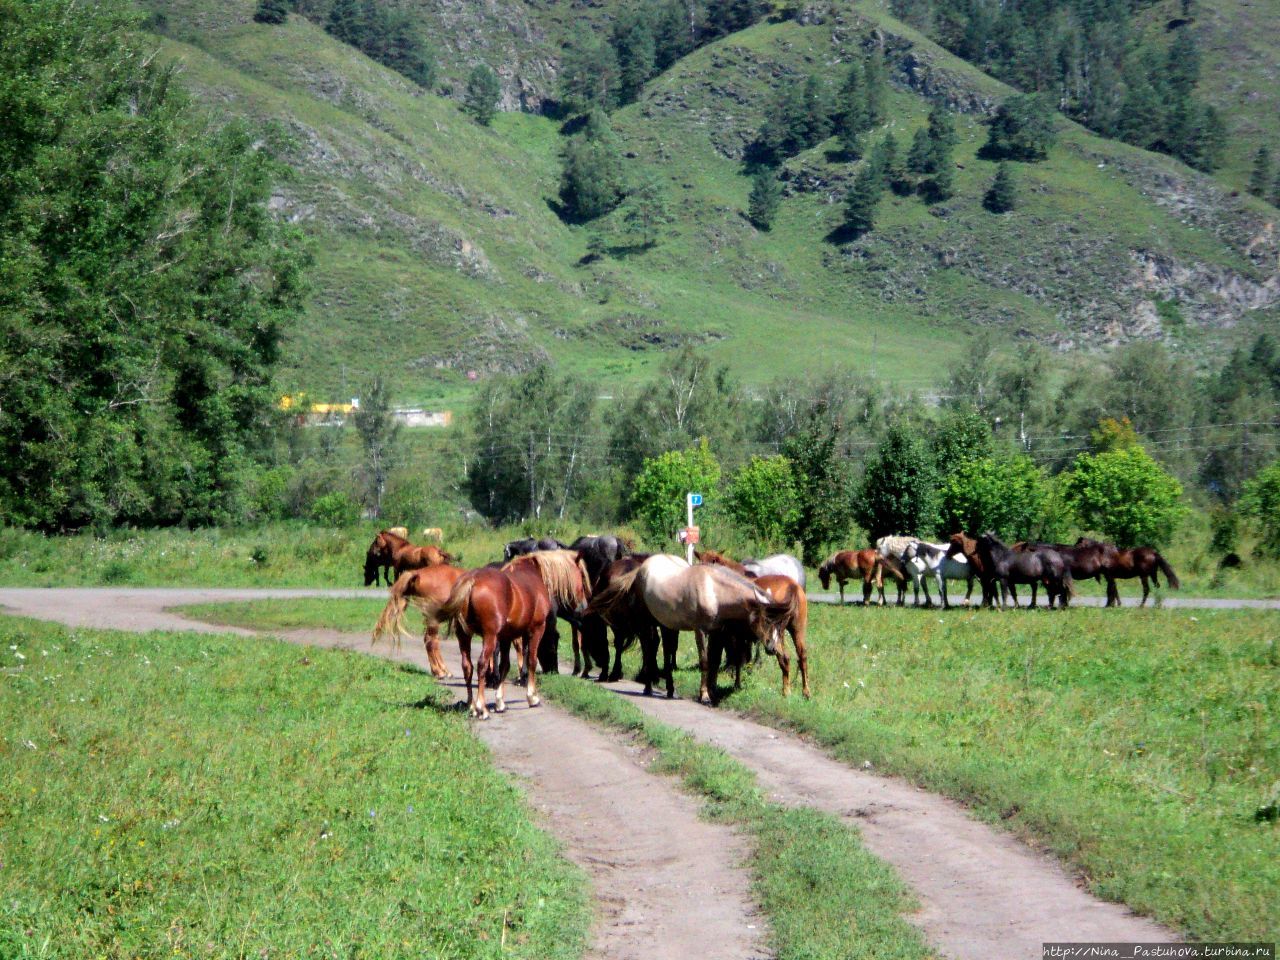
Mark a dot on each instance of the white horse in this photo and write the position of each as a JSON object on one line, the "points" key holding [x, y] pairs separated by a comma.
{"points": [[932, 559], [778, 564]]}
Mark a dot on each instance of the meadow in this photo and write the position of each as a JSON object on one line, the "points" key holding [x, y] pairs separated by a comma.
{"points": [[1141, 747], [196, 796], [299, 554]]}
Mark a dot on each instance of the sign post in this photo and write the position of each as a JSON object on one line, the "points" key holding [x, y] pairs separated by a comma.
{"points": [[690, 537]]}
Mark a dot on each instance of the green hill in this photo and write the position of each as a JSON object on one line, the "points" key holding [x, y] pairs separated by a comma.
{"points": [[439, 251]]}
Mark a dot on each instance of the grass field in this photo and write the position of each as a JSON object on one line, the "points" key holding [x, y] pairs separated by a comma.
{"points": [[305, 555], [196, 796], [1142, 747]]}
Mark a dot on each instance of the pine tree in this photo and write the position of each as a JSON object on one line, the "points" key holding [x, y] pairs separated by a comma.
{"points": [[1022, 129], [765, 198], [272, 11], [816, 119], [862, 199], [851, 104], [1260, 177], [345, 22], [1182, 66], [942, 127], [647, 211], [636, 53], [592, 174], [875, 82], [1003, 196], [588, 71], [483, 91], [942, 185], [920, 156]]}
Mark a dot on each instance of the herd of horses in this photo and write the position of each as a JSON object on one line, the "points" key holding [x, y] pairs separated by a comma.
{"points": [[998, 567], [600, 583]]}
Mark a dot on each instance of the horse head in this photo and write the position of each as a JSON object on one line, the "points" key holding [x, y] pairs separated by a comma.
{"points": [[824, 573]]}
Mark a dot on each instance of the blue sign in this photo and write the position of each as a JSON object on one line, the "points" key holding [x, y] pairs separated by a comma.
{"points": [[695, 499]]}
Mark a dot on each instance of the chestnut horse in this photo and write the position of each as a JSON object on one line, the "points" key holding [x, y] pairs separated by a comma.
{"points": [[506, 605], [392, 550], [783, 590], [865, 565], [427, 590]]}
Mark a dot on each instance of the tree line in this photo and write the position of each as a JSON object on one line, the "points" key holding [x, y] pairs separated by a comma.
{"points": [[1090, 59]]}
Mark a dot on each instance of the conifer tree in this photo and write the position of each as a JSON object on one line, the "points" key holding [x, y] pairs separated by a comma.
{"points": [[920, 156], [636, 53], [942, 185], [875, 83], [483, 91], [1260, 177], [862, 199], [765, 198], [272, 11], [1002, 196]]}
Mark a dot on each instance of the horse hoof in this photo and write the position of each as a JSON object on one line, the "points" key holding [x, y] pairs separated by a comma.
{"points": [[535, 701], [500, 708]]}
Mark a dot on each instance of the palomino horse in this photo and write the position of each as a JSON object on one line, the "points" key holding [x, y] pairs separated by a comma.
{"points": [[506, 605], [738, 638], [701, 598], [392, 550], [1146, 563], [936, 560], [865, 565], [1009, 567], [426, 589]]}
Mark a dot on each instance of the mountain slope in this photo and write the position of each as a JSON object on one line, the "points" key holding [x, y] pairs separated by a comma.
{"points": [[439, 252]]}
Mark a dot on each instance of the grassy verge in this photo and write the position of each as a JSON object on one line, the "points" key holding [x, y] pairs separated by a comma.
{"points": [[179, 795], [355, 616], [824, 894], [1141, 746]]}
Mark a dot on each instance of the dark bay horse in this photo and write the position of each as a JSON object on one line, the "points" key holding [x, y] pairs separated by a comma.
{"points": [[518, 548], [389, 549], [1145, 563], [1008, 567], [426, 589]]}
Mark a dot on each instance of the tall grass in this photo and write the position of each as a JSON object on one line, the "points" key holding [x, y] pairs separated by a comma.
{"points": [[193, 796]]}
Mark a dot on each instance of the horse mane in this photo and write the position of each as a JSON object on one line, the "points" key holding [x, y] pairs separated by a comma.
{"points": [[615, 594], [392, 535], [715, 558], [562, 572]]}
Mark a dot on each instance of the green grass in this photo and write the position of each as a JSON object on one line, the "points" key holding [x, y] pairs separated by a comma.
{"points": [[197, 796], [349, 616], [1137, 745], [824, 895]]}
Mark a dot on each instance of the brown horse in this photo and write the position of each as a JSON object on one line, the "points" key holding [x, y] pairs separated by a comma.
{"points": [[426, 589], [507, 605], [967, 546], [711, 556], [865, 565], [783, 590], [392, 550], [1145, 563]]}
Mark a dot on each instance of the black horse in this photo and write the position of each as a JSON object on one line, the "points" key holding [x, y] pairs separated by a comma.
{"points": [[517, 548], [1007, 567]]}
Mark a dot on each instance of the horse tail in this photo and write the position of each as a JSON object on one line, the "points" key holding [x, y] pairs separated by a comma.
{"points": [[1069, 583], [392, 617], [459, 598], [614, 595], [1172, 577]]}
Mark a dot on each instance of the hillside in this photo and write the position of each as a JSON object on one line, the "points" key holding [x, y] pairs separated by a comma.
{"points": [[438, 250]]}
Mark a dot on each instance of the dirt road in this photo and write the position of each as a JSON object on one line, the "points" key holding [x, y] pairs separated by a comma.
{"points": [[983, 894]]}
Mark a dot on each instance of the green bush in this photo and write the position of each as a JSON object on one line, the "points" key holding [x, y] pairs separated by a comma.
{"points": [[1126, 495], [1003, 494], [899, 489], [1260, 502], [335, 509], [762, 499], [657, 495]]}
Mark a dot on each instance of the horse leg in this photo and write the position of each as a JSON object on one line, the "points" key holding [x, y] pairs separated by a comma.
{"points": [[504, 664], [464, 654], [969, 591], [488, 650], [1034, 586], [649, 659], [1113, 593], [708, 669], [431, 640], [784, 662], [670, 642], [1146, 590], [531, 686], [616, 673], [942, 590], [581, 665]]}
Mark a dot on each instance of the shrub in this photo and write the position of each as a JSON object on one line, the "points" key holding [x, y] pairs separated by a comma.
{"points": [[762, 498], [335, 509], [1260, 502], [1126, 495], [898, 494], [657, 495], [1004, 494]]}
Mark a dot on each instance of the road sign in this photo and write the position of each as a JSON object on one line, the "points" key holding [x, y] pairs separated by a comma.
{"points": [[690, 536], [695, 499]]}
